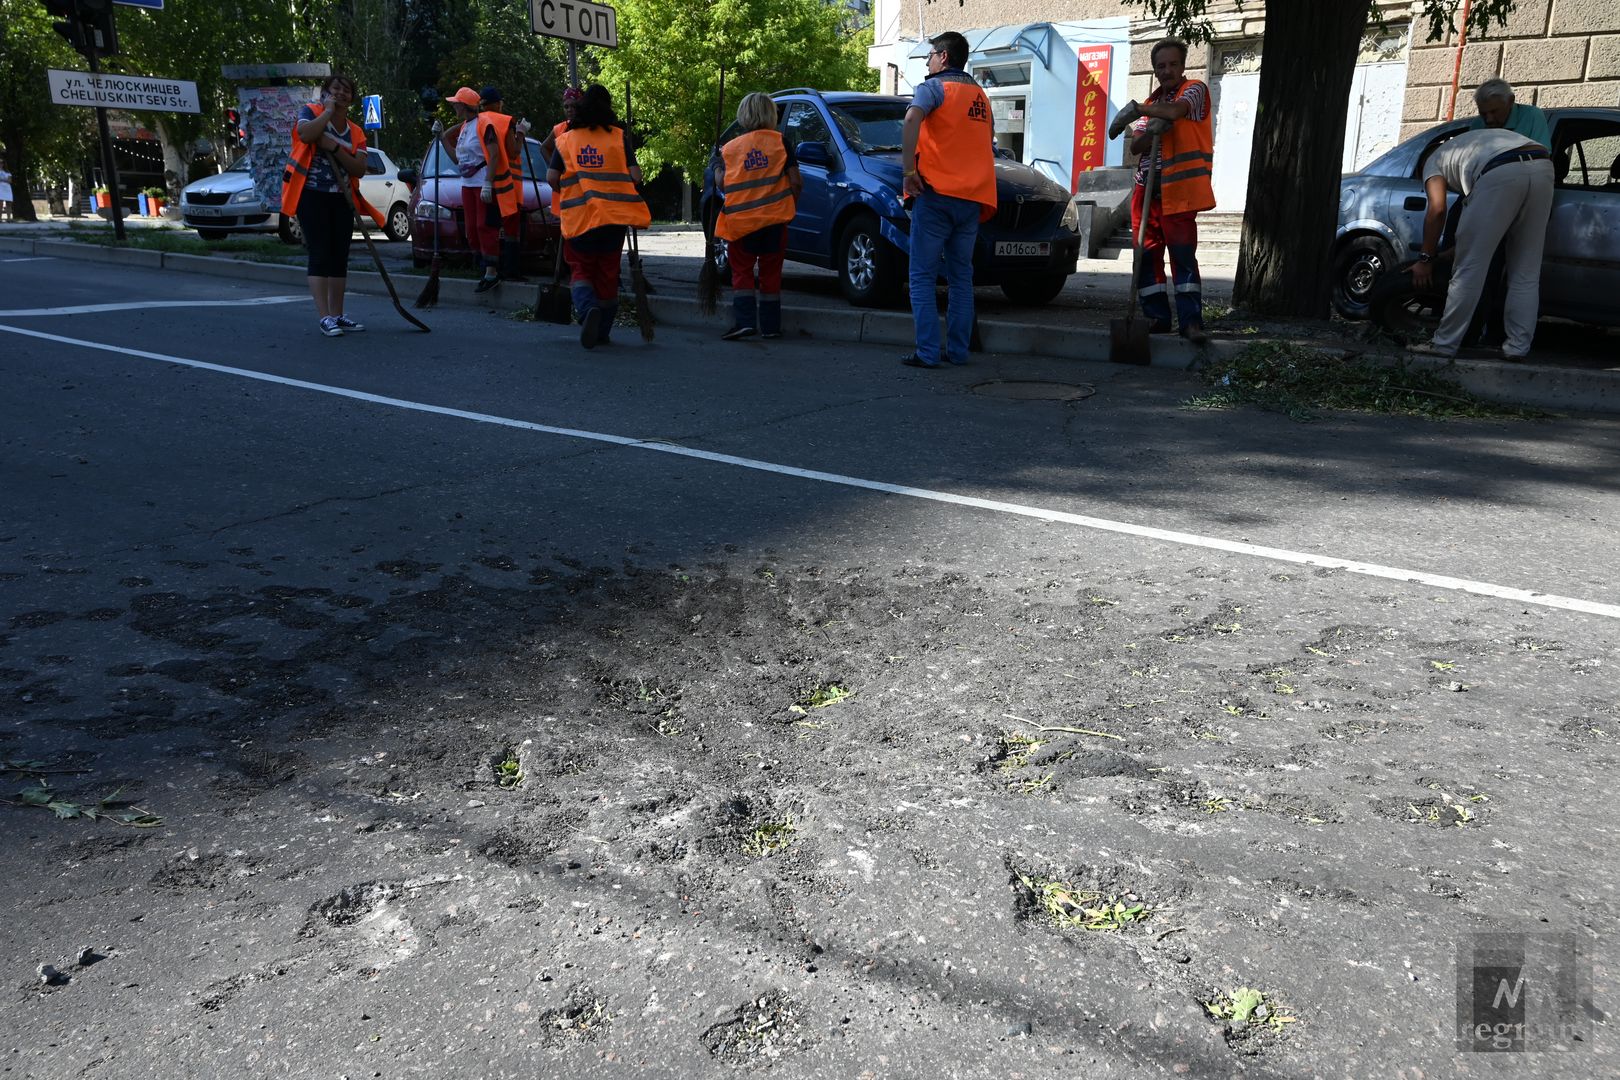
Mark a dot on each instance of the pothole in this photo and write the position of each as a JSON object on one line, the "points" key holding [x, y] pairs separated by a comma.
{"points": [[1033, 390]]}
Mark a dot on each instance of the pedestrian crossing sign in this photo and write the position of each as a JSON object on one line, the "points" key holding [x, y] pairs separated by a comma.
{"points": [[373, 112]]}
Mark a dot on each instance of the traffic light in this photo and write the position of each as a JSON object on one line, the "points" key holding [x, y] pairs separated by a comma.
{"points": [[68, 13], [233, 123], [99, 30]]}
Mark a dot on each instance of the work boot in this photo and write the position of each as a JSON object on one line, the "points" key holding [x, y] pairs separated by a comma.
{"points": [[610, 311], [590, 315], [743, 324], [770, 318]]}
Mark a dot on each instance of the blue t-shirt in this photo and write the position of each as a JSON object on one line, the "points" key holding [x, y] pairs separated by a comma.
{"points": [[931, 94], [321, 177]]}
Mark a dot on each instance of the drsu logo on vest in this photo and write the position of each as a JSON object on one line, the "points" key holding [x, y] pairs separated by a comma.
{"points": [[756, 159], [589, 157], [977, 111]]}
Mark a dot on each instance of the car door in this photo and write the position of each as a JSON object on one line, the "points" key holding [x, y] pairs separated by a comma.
{"points": [[1580, 269], [1408, 201], [802, 122], [378, 184]]}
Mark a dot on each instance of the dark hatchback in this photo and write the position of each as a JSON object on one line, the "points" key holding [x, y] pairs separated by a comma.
{"points": [[436, 207], [850, 218]]}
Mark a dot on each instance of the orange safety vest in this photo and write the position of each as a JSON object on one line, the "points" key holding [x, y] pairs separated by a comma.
{"points": [[1187, 154], [757, 193], [596, 186], [956, 153], [504, 175], [556, 133], [296, 173]]}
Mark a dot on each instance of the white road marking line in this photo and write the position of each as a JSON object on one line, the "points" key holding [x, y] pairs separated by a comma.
{"points": [[30, 258], [146, 305], [1393, 573]]}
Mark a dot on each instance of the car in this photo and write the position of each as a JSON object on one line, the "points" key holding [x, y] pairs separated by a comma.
{"points": [[850, 217], [219, 205], [1381, 212], [436, 208]]}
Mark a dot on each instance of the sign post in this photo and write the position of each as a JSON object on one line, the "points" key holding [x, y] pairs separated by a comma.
{"points": [[578, 22]]}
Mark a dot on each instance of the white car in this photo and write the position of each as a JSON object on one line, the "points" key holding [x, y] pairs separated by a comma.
{"points": [[219, 205]]}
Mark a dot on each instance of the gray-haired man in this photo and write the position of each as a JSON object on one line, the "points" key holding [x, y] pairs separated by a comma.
{"points": [[1498, 109]]}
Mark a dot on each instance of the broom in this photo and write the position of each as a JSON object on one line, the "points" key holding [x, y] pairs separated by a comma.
{"points": [[638, 280], [430, 291], [709, 276]]}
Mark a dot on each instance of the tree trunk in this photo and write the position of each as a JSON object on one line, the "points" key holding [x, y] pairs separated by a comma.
{"points": [[22, 191], [1305, 77], [176, 159]]}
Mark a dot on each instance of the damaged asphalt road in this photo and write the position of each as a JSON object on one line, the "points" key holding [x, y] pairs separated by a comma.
{"points": [[477, 750]]}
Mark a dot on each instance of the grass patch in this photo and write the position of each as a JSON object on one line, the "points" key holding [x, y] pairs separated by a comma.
{"points": [[1295, 380], [820, 698], [508, 770], [259, 247], [1246, 1005], [768, 838], [1083, 909]]}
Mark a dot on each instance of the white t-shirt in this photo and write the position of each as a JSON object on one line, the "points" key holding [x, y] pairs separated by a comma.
{"points": [[1461, 160], [469, 151]]}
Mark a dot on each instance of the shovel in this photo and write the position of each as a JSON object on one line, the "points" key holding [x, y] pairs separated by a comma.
{"points": [[554, 302], [1128, 337]]}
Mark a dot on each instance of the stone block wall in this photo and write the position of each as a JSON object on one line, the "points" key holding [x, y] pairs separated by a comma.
{"points": [[1556, 53]]}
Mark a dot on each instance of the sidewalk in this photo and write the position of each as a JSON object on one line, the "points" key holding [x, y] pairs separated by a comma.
{"points": [[1575, 369]]}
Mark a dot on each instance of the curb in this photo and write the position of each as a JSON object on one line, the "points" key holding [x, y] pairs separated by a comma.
{"points": [[1553, 388]]}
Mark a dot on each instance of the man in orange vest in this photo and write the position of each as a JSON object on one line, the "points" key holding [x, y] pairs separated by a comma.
{"points": [[947, 149], [1178, 111]]}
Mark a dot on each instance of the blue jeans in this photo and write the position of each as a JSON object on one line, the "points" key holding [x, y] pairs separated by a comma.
{"points": [[943, 227]]}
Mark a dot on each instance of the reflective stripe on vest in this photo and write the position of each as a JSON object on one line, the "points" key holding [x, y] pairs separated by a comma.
{"points": [[296, 172], [955, 148], [596, 186], [757, 192], [503, 174], [1187, 156]]}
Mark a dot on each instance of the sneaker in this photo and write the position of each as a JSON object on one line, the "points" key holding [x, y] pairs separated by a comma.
{"points": [[348, 325], [1426, 348], [486, 284], [330, 327], [737, 333], [913, 360], [590, 328]]}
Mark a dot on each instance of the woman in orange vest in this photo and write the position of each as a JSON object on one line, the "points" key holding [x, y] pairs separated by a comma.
{"points": [[310, 191], [506, 179], [594, 168], [760, 183], [480, 145]]}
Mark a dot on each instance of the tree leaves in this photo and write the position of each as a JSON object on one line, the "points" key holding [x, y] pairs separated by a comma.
{"points": [[109, 808]]}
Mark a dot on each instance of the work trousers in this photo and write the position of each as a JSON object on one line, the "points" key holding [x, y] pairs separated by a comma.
{"points": [[1177, 233], [943, 228], [482, 237], [1509, 204]]}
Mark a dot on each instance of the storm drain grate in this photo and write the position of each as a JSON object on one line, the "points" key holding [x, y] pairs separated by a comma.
{"points": [[1034, 390]]}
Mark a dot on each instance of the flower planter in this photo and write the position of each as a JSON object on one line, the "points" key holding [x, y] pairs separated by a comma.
{"points": [[155, 205], [140, 201], [103, 200]]}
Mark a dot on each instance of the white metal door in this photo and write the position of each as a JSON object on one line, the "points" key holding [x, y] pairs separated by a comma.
{"points": [[1236, 96]]}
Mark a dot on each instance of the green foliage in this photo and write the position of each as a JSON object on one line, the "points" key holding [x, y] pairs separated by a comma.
{"points": [[500, 50], [769, 837], [39, 138], [671, 51], [1083, 909], [1294, 380], [1189, 18], [110, 808]]}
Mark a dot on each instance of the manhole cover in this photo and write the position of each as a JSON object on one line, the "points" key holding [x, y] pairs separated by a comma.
{"points": [[1033, 390]]}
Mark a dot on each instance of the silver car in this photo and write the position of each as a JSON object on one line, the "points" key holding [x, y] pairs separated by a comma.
{"points": [[1381, 218], [219, 205]]}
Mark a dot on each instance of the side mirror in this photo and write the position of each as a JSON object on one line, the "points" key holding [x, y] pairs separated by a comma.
{"points": [[814, 153], [409, 177]]}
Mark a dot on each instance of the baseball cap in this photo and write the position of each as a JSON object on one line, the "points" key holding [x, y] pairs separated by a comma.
{"points": [[490, 95], [466, 96]]}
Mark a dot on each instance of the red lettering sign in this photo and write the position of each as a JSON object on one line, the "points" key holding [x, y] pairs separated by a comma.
{"points": [[1090, 110]]}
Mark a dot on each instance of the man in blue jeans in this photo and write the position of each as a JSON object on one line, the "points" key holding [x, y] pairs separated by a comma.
{"points": [[948, 153]]}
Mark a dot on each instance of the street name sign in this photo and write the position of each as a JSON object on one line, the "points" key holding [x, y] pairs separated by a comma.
{"points": [[575, 20], [122, 91]]}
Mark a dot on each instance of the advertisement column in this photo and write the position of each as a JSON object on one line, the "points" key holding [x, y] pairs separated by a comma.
{"points": [[1090, 111]]}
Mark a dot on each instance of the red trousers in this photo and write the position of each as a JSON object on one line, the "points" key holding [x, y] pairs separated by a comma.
{"points": [[598, 269], [767, 247], [483, 239]]}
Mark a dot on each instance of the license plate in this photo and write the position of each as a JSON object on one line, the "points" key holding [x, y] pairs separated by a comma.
{"points": [[1022, 247], [208, 211]]}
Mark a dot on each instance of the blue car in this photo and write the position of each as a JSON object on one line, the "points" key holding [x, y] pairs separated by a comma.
{"points": [[850, 218]]}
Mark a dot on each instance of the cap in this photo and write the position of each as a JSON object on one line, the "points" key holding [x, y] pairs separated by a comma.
{"points": [[465, 96], [489, 95], [572, 93]]}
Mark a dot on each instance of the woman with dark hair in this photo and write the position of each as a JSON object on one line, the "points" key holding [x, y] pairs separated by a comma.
{"points": [[311, 190], [594, 168]]}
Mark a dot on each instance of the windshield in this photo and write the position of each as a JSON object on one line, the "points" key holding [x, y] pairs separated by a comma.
{"points": [[242, 165], [439, 163], [871, 127]]}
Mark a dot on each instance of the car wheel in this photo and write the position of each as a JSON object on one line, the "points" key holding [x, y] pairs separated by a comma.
{"points": [[1402, 310], [399, 223], [868, 265], [290, 231], [1033, 290], [213, 236], [1357, 267]]}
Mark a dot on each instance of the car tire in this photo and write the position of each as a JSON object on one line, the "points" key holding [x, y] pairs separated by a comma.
{"points": [[868, 265], [290, 231], [399, 223], [213, 236], [1034, 290], [1357, 266]]}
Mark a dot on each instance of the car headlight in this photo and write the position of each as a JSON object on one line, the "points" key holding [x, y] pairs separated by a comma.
{"points": [[427, 210], [246, 195], [1071, 216]]}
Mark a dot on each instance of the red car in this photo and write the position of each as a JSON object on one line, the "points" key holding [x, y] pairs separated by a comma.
{"points": [[436, 207]]}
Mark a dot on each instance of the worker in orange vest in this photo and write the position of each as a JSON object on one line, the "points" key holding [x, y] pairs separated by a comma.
{"points": [[1178, 111], [947, 152], [481, 148], [510, 136], [759, 182], [570, 98], [594, 168], [312, 192]]}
